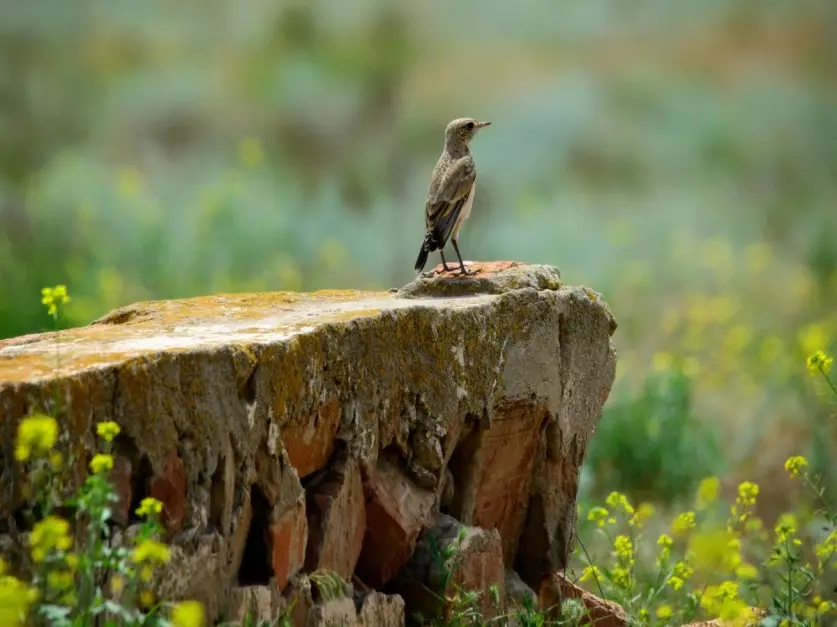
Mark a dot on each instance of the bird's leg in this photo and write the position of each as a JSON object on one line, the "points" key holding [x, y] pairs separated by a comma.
{"points": [[462, 269], [444, 263]]}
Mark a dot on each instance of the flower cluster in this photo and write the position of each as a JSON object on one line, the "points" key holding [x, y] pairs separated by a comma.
{"points": [[54, 298], [36, 435], [820, 362]]}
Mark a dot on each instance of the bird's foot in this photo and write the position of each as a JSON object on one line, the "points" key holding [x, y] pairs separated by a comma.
{"points": [[463, 271], [446, 268]]}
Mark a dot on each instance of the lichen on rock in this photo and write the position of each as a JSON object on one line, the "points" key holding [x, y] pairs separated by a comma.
{"points": [[291, 432]]}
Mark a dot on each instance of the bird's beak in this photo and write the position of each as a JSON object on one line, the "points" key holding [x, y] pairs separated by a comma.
{"points": [[483, 124]]}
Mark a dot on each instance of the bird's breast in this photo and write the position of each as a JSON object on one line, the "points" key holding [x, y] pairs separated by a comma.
{"points": [[466, 208]]}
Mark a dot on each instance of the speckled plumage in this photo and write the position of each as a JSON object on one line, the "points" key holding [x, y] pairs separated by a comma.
{"points": [[451, 193]]}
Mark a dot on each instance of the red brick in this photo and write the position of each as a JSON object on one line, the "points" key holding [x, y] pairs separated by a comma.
{"points": [[289, 535], [396, 512], [310, 444], [169, 487], [336, 521], [504, 475]]}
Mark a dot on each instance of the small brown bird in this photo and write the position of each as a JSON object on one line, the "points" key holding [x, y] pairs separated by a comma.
{"points": [[451, 193]]}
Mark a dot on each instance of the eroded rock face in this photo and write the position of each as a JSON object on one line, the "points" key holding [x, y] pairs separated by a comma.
{"points": [[286, 433]]}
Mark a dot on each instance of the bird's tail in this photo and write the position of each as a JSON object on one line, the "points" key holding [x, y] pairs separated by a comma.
{"points": [[427, 247], [422, 258]]}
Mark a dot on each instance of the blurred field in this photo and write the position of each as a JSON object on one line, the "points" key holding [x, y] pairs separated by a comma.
{"points": [[679, 157]]}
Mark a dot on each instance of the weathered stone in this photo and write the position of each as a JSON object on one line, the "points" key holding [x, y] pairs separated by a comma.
{"points": [[493, 277], [226, 401], [121, 479], [381, 610], [600, 612], [396, 511], [241, 520], [517, 592], [289, 534], [169, 487], [336, 520], [502, 473], [201, 556], [259, 603], [222, 491], [476, 565]]}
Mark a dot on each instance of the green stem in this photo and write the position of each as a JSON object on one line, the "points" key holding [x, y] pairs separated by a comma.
{"points": [[830, 384]]}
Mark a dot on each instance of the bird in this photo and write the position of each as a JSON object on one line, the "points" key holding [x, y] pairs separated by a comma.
{"points": [[451, 193]]}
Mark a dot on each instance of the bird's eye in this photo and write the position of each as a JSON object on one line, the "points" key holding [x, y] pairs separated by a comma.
{"points": [[470, 126]]}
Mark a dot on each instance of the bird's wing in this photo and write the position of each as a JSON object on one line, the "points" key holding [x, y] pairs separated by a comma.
{"points": [[443, 208]]}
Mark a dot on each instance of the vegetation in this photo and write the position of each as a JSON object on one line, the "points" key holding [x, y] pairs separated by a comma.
{"points": [[677, 157]]}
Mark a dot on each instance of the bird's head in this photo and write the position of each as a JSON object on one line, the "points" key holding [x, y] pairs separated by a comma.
{"points": [[463, 129]]}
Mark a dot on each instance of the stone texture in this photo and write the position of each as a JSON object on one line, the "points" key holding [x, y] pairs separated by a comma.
{"points": [[493, 277], [260, 603], [231, 406], [477, 566], [121, 479], [336, 520], [381, 610], [396, 512], [517, 591], [600, 612], [372, 609]]}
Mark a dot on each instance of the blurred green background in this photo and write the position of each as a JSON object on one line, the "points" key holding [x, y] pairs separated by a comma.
{"points": [[678, 157]]}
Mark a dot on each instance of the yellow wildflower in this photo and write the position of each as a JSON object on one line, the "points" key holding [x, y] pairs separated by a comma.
{"points": [[665, 540], [101, 463], [617, 500], [146, 598], [714, 550], [785, 528], [820, 362], [188, 614], [598, 515], [117, 585], [107, 430], [644, 512], [683, 570], [621, 577], [149, 507], [54, 297], [826, 549], [675, 582], [152, 552], [683, 523], [59, 580], [664, 612], [707, 492], [36, 434], [622, 547], [796, 465], [49, 534], [591, 573], [747, 492], [15, 599]]}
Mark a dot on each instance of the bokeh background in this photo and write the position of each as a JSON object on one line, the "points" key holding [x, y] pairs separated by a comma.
{"points": [[678, 157]]}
